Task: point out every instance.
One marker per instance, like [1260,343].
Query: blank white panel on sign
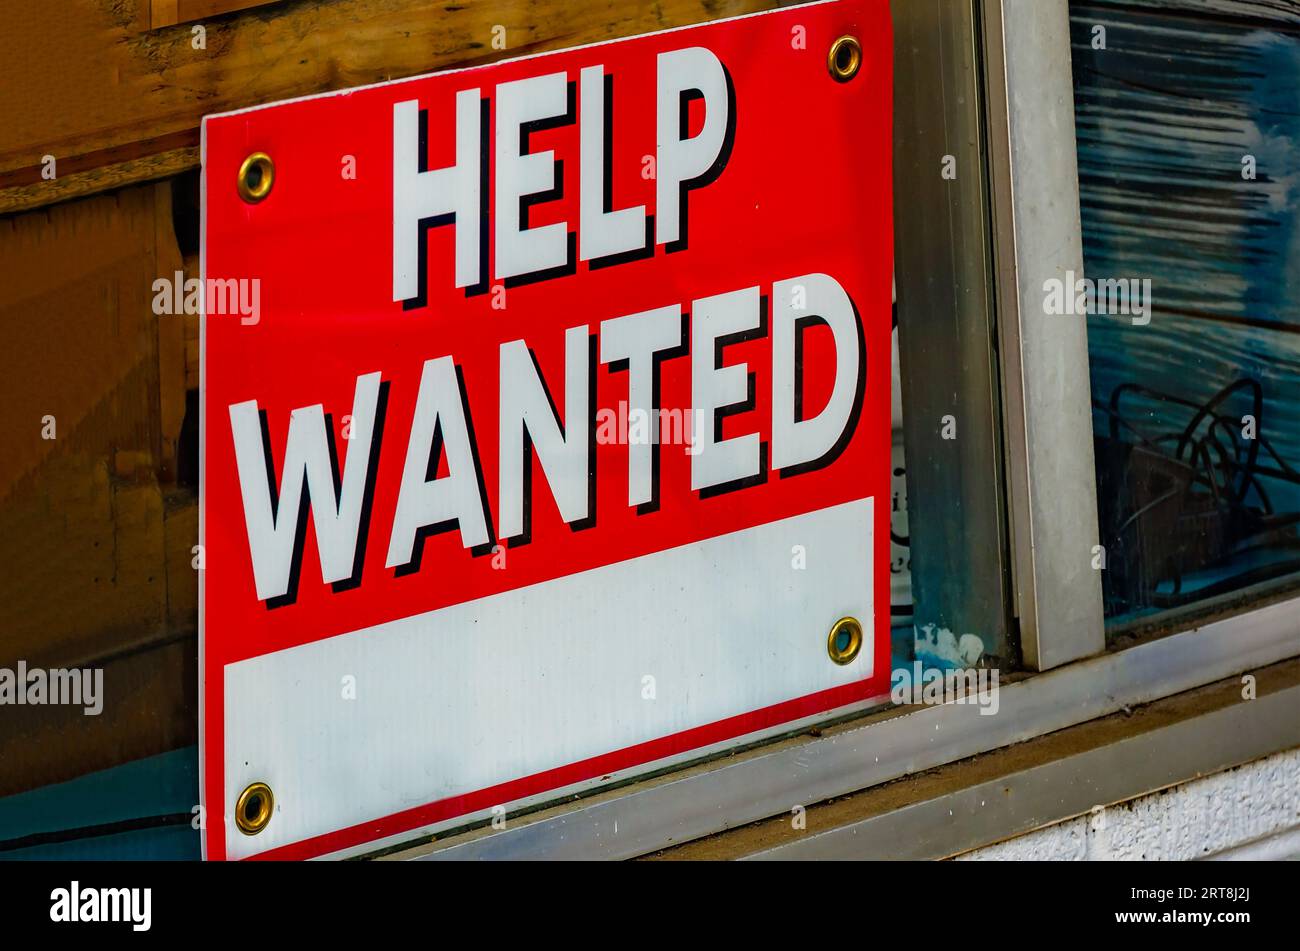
[456,700]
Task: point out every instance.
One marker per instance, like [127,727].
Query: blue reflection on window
[1188,126]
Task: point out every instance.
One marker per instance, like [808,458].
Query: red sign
[546,425]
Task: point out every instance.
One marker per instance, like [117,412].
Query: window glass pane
[900,552]
[1188,121]
[952,607]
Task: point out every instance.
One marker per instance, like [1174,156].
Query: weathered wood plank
[95,386]
[95,536]
[150,705]
[170,12]
[88,84]
[114,173]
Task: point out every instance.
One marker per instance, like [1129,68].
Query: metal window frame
[1059,789]
[1011,59]
[1051,481]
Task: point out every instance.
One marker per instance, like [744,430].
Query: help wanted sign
[557,450]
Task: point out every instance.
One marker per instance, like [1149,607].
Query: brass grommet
[253,811]
[844,640]
[845,58]
[256,176]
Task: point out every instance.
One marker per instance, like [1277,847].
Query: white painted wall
[1252,811]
